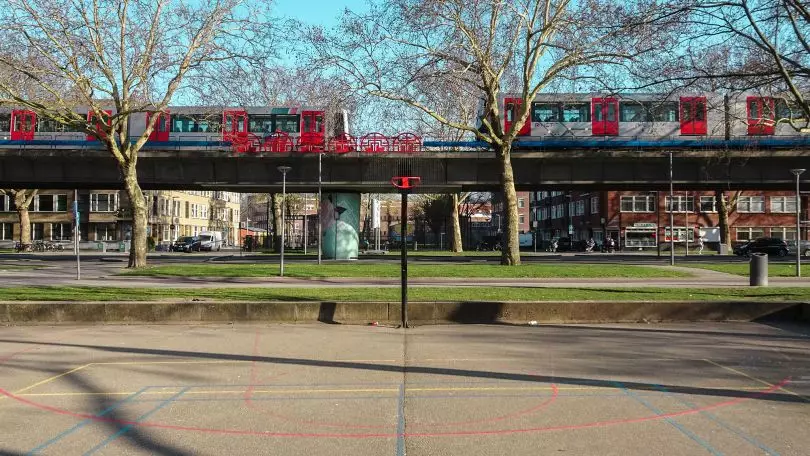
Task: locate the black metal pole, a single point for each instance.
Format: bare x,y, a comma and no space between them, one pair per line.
403,245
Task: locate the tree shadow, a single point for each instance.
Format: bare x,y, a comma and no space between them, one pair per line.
452,372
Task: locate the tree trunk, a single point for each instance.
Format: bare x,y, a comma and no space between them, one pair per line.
137,251
25,220
277,222
456,245
510,244
722,214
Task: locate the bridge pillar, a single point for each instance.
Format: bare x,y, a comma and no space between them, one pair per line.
340,224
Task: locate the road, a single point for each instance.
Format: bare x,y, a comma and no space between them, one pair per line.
677,389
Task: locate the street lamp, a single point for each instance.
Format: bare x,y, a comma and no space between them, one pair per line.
798,172
283,170
671,217
318,206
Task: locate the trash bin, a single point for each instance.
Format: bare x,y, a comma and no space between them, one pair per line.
758,271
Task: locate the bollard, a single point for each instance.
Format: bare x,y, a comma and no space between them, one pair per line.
758,271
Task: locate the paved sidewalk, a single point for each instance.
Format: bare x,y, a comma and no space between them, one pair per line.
678,389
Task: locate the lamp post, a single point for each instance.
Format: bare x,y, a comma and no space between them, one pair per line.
671,217
798,172
283,170
318,207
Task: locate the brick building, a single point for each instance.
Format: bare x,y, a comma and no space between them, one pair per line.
524,212
641,219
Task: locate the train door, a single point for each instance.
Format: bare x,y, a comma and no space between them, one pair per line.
511,106
23,124
162,126
760,115
605,117
312,131
106,121
693,116
234,124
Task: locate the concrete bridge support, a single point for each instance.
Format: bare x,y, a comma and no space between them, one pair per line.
340,225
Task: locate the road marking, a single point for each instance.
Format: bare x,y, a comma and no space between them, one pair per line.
739,372
50,379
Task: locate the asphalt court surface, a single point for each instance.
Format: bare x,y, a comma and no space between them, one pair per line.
680,389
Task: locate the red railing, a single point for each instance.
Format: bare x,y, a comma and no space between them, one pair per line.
281,142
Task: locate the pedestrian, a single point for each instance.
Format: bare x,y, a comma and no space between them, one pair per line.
700,245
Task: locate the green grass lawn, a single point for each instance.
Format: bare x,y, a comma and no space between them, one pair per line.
424,294
742,269
295,269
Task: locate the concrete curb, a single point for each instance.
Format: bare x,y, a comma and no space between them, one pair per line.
421,313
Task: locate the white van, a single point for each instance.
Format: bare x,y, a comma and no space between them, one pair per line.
210,241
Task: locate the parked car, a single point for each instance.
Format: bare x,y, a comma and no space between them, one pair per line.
804,248
771,246
186,244
210,241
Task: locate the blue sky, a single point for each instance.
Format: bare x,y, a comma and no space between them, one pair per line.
320,12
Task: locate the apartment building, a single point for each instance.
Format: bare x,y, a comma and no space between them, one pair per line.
642,219
524,212
105,215
172,214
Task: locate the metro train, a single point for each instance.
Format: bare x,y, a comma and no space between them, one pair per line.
655,117
555,121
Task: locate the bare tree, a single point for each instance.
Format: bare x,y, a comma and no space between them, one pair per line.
489,46
22,200
123,56
738,45
725,207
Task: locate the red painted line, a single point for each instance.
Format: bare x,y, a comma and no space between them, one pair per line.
597,424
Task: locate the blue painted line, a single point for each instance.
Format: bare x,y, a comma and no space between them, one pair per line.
674,423
87,421
126,428
740,433
401,421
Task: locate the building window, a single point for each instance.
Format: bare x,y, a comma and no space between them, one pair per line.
37,231
165,234
638,203
521,219
6,203
783,232
749,234
521,203
105,231
682,204
594,205
580,207
49,203
708,204
103,202
6,231
61,231
681,234
783,204
751,204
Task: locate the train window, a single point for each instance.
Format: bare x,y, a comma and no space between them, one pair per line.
260,123
287,123
632,111
5,123
666,111
545,112
52,126
597,112
700,110
580,112
195,123
753,109
611,112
